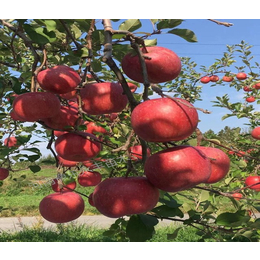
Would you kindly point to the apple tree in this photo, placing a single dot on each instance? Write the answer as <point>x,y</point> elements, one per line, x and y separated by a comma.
<point>86,89</point>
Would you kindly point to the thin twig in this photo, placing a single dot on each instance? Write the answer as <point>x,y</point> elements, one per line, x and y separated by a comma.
<point>221,23</point>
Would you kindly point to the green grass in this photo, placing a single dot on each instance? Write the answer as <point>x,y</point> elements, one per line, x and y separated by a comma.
<point>84,233</point>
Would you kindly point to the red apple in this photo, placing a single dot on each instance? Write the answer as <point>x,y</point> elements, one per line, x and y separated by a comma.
<point>119,196</point>
<point>10,141</point>
<point>241,75</point>
<point>164,119</point>
<point>162,65</point>
<point>132,87</point>
<point>66,163</point>
<point>255,133</point>
<point>61,207</point>
<point>256,86</point>
<point>227,78</point>
<point>205,80</point>
<point>66,118</point>
<point>103,98</point>
<point>220,163</point>
<point>59,133</point>
<point>253,182</point>
<point>15,117</point>
<point>59,79</point>
<point>247,88</point>
<point>177,168</point>
<point>34,106</point>
<point>89,178</point>
<point>58,185</point>
<point>4,173</point>
<point>136,152</point>
<point>237,196</point>
<point>70,95</point>
<point>93,128</point>
<point>214,78</point>
<point>90,200</point>
<point>250,99</point>
<point>74,147</point>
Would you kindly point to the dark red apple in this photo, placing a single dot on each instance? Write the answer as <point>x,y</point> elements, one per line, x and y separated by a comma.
<point>241,75</point>
<point>103,98</point>
<point>205,80</point>
<point>74,147</point>
<point>34,106</point>
<point>164,119</point>
<point>65,119</point>
<point>90,200</point>
<point>11,141</point>
<point>214,78</point>
<point>62,207</point>
<point>253,182</point>
<point>255,133</point>
<point>227,78</point>
<point>89,178</point>
<point>220,163</point>
<point>119,196</point>
<point>177,168</point>
<point>136,152</point>
<point>59,79</point>
<point>4,173</point>
<point>57,185</point>
<point>162,65</point>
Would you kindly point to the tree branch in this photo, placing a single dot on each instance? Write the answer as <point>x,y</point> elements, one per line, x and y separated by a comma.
<point>221,23</point>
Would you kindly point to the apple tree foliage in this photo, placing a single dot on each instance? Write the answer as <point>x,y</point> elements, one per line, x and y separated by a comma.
<point>92,47</point>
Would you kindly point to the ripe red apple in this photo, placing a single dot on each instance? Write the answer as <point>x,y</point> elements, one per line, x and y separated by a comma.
<point>74,147</point>
<point>15,117</point>
<point>66,163</point>
<point>66,118</point>
<point>59,133</point>
<point>205,80</point>
<point>237,196</point>
<point>119,196</point>
<point>90,200</point>
<point>10,141</point>
<point>4,173</point>
<point>253,182</point>
<point>69,95</point>
<point>214,78</point>
<point>136,152</point>
<point>250,99</point>
<point>93,128</point>
<point>162,65</point>
<point>132,87</point>
<point>103,98</point>
<point>61,207</point>
<point>247,88</point>
<point>177,168</point>
<point>255,133</point>
<point>34,106</point>
<point>89,178</point>
<point>220,163</point>
<point>164,119</point>
<point>241,75</point>
<point>227,78</point>
<point>58,185</point>
<point>256,86</point>
<point>59,79</point>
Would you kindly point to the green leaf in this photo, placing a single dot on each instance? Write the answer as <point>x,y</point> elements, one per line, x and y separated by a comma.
<point>165,211</point>
<point>186,34</point>
<point>168,200</point>
<point>232,219</point>
<point>130,25</point>
<point>50,25</point>
<point>169,23</point>
<point>39,35</point>
<point>35,168</point>
<point>174,234</point>
<point>140,227</point>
